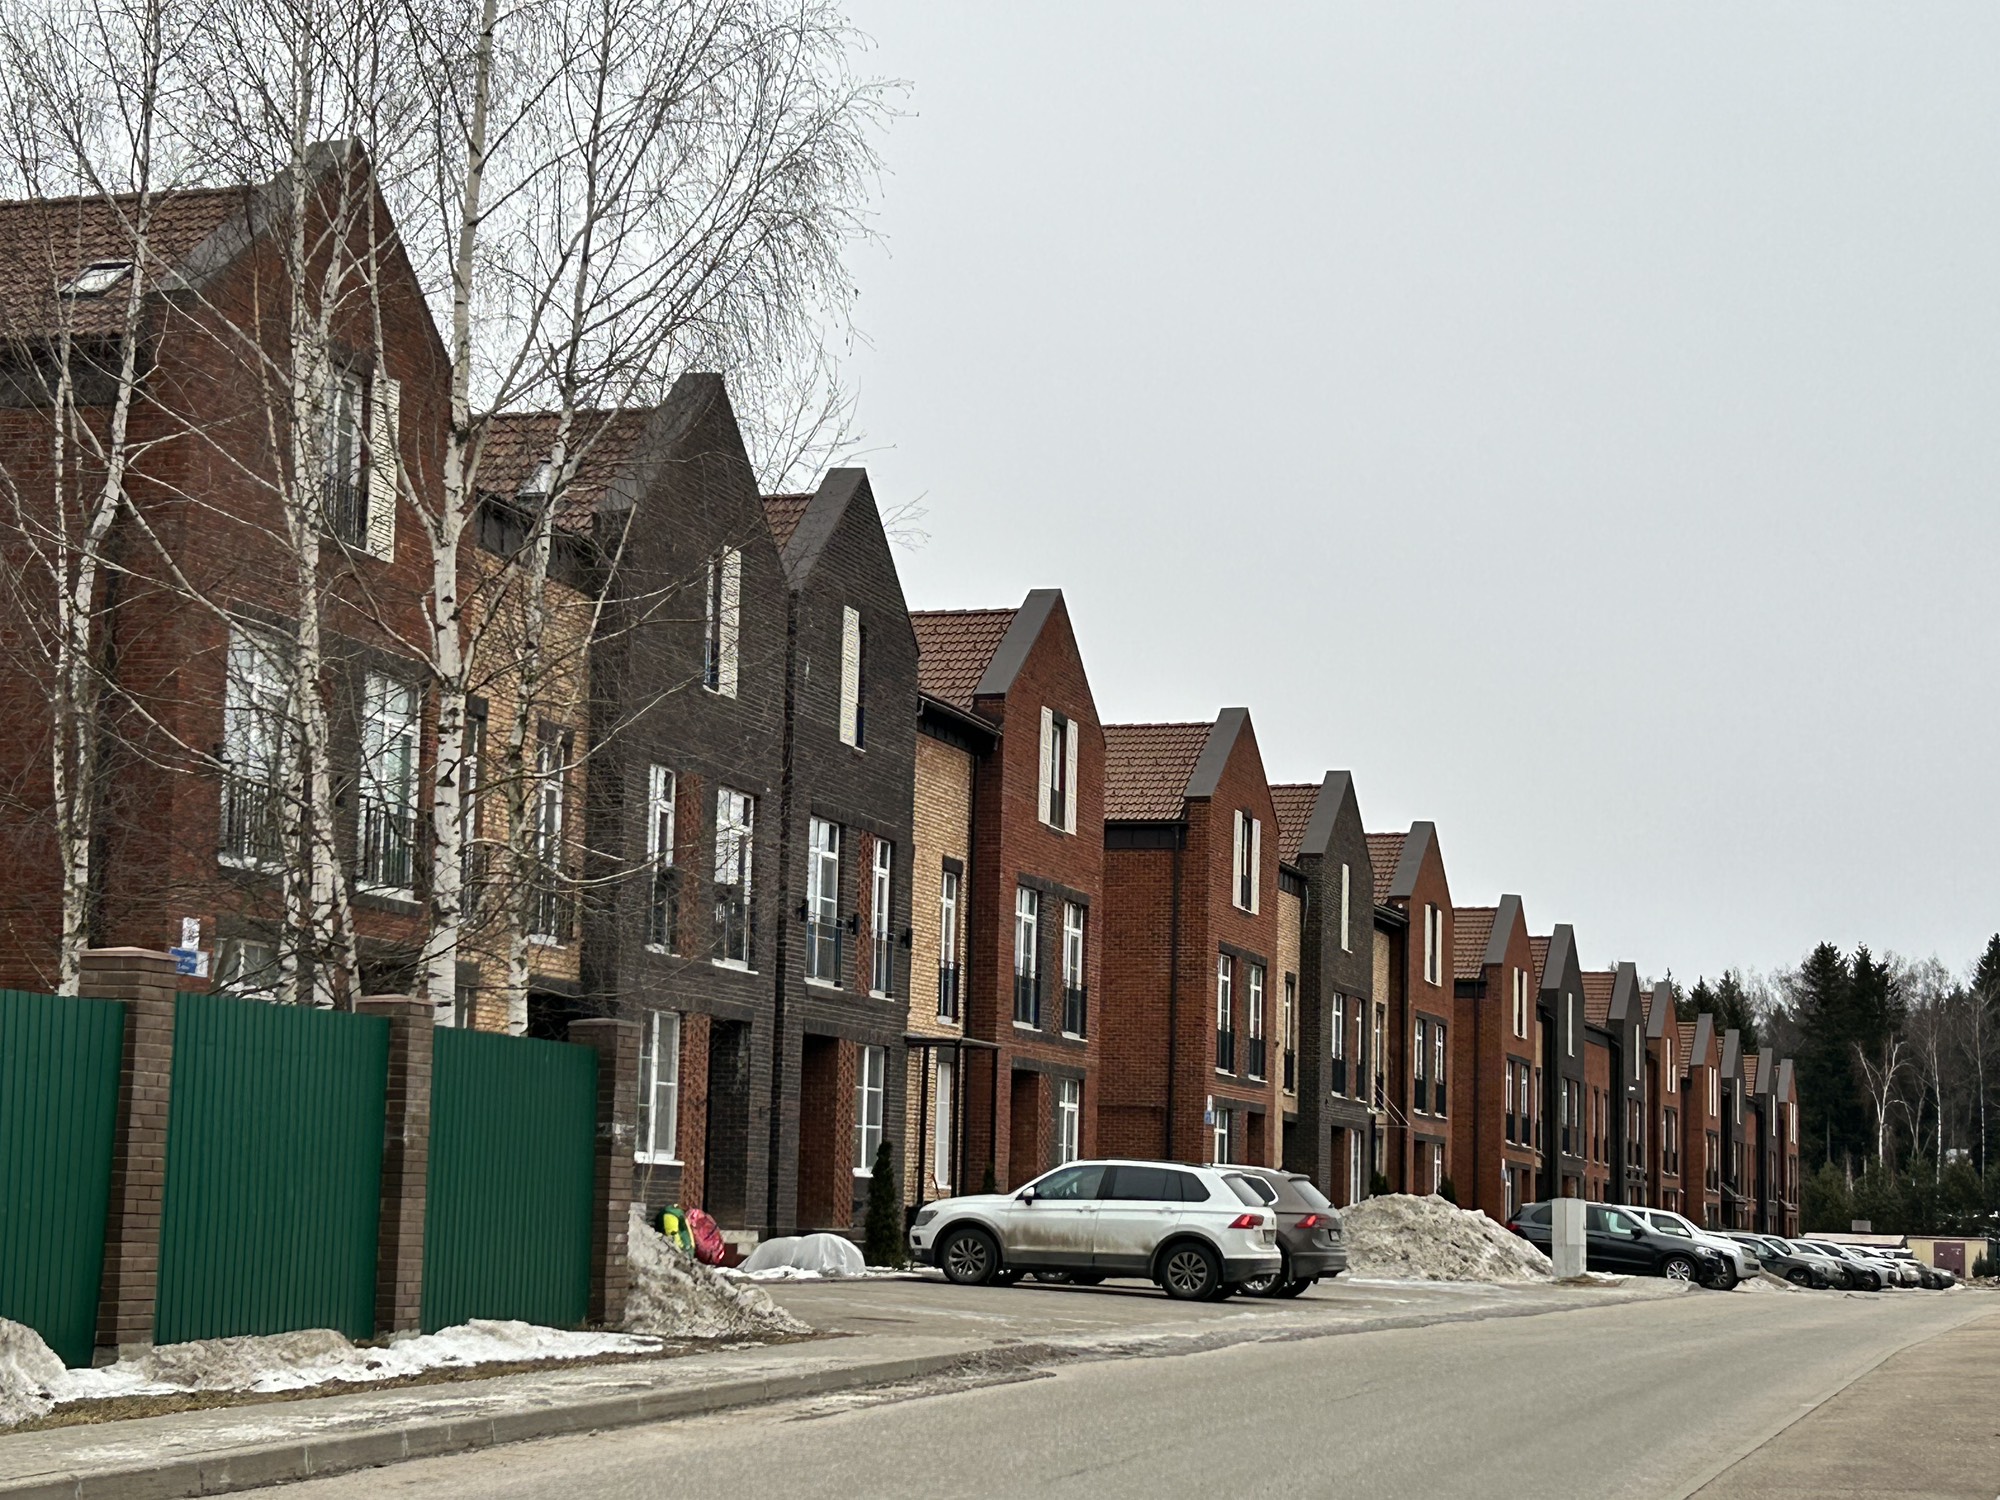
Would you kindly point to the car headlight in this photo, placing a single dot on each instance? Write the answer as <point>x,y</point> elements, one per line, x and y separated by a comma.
<point>924,1216</point>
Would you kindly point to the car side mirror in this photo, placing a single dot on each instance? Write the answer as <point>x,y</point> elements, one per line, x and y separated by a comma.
<point>1026,1195</point>
<point>1635,1234</point>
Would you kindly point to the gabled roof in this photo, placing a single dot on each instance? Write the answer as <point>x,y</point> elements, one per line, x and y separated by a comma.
<point>1559,958</point>
<point>1686,1032</point>
<point>806,539</point>
<point>1597,985</point>
<point>1763,1066</point>
<point>954,647</point>
<point>1471,930</point>
<point>1704,1039</point>
<point>1749,1074</point>
<point>1022,632</point>
<point>783,514</point>
<point>1732,1053</point>
<point>1293,802</point>
<point>1627,1002</point>
<point>1385,852</point>
<point>1787,1080</point>
<point>1661,1014</point>
<point>517,444</point>
<point>1147,769</point>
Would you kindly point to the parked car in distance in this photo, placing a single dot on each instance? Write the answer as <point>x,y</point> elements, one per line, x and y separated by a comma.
<point>1309,1243</point>
<point>1742,1264</point>
<point>1863,1273</point>
<point>1615,1240</point>
<point>1930,1278</point>
<point>1187,1229</point>
<point>1774,1256</point>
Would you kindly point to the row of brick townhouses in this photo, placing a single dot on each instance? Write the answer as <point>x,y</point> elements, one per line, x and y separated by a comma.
<point>862,874</point>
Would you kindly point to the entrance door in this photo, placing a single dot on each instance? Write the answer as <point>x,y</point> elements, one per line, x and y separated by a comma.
<point>1949,1255</point>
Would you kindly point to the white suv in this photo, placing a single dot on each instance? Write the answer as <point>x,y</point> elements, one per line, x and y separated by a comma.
<point>1193,1230</point>
<point>1741,1261</point>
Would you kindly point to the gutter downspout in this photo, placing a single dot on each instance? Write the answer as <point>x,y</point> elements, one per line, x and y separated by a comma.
<point>1173,993</point>
<point>772,1172</point>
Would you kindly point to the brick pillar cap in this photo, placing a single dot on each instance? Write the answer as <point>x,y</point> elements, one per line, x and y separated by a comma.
<point>145,956</point>
<point>612,1023</point>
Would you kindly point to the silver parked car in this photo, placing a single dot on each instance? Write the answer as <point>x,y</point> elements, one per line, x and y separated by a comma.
<point>1189,1229</point>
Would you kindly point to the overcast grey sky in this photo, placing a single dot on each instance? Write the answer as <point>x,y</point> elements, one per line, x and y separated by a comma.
<point>1578,420</point>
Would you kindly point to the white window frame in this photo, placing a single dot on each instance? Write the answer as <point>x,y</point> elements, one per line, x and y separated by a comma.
<point>1288,1022</point>
<point>1246,884</point>
<point>1346,907</point>
<point>385,426</point>
<point>735,847</point>
<point>1569,1023</point>
<point>1057,773</point>
<point>1437,1061</point>
<point>881,908</point>
<point>948,898</point>
<point>1521,1004</point>
<point>822,894</point>
<point>660,785</point>
<point>660,1092</point>
<point>1027,943</point>
<point>1224,1139</point>
<point>255,721</point>
<point>1073,955</point>
<point>550,791</point>
<point>1338,1050</point>
<point>1673,1077</point>
<point>1225,995</point>
<point>1714,1094</point>
<point>853,725</point>
<point>389,758</point>
<point>871,1070</point>
<point>1069,1119</point>
<point>943,1121</point>
<point>723,622</point>
<point>1255,976</point>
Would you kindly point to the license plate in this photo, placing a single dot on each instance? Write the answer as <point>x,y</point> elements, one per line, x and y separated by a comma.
<point>1267,1237</point>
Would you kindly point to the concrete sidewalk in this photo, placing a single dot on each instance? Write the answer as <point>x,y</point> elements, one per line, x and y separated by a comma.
<point>243,1447</point>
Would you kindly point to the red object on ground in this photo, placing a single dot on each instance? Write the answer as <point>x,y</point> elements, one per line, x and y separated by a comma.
<point>708,1246</point>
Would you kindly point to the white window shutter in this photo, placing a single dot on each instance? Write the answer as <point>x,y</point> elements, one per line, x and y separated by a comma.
<point>850,676</point>
<point>729,620</point>
<point>1256,864</point>
<point>385,432</point>
<point>1069,778</point>
<point>1048,760</point>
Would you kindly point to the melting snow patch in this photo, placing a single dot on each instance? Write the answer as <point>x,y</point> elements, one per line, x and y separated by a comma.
<point>676,1296</point>
<point>1429,1239</point>
<point>27,1367</point>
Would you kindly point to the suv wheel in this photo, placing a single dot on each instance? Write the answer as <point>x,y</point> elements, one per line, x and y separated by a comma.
<point>1677,1268</point>
<point>1799,1276</point>
<point>969,1257</point>
<point>1295,1288</point>
<point>1190,1272</point>
<point>1272,1285</point>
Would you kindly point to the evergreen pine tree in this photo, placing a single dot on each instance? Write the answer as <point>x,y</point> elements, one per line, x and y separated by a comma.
<point>1831,1110</point>
<point>882,1231</point>
<point>1733,1008</point>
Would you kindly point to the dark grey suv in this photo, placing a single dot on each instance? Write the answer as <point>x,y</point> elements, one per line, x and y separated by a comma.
<point>1308,1231</point>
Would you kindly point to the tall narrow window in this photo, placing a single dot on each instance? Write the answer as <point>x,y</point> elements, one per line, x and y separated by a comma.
<point>948,944</point>
<point>1437,1068</point>
<point>663,913</point>
<point>660,1088</point>
<point>547,906</point>
<point>1346,905</point>
<point>1521,1003</point>
<point>1714,1090</point>
<point>870,1070</point>
<point>1027,957</point>
<point>1420,1074</point>
<point>1225,1014</point>
<point>881,909</point>
<point>1337,1083</point>
<point>1375,1058</point>
<point>1058,772</point>
<point>735,817</point>
<point>1569,1023</point>
<point>823,901</point>
<point>725,617</point>
<point>1075,995</point>
<point>1254,999</point>
<point>345,501</point>
<point>471,784</point>
<point>1248,862</point>
<point>388,791</point>
<point>1225,1135</point>
<point>853,725</point>
<point>1288,1033</point>
<point>1433,941</point>
<point>1069,1120</point>
<point>1673,1075</point>
<point>944,1121</point>
<point>254,723</point>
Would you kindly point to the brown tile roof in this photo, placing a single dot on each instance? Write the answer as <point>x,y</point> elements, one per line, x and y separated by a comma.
<point>783,513</point>
<point>1471,930</point>
<point>1539,947</point>
<point>1293,802</point>
<point>1385,852</point>
<point>1146,769</point>
<point>1686,1029</point>
<point>45,242</point>
<point>953,648</point>
<point>517,445</point>
<point>1597,987</point>
<point>1749,1072</point>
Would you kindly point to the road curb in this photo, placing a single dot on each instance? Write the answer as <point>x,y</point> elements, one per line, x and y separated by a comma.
<point>254,1466</point>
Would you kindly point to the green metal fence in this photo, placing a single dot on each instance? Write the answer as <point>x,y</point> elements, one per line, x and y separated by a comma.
<point>512,1157</point>
<point>59,1067</point>
<point>274,1170</point>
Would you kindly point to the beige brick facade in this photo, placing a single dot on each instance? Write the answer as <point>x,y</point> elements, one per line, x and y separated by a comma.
<point>943,836</point>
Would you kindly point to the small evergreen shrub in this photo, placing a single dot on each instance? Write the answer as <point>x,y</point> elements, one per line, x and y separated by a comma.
<point>882,1232</point>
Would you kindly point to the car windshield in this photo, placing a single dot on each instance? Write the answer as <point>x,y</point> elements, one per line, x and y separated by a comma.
<point>1315,1199</point>
<point>1070,1182</point>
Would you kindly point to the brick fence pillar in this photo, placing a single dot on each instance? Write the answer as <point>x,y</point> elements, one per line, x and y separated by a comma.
<point>147,982</point>
<point>406,1151</point>
<point>617,1047</point>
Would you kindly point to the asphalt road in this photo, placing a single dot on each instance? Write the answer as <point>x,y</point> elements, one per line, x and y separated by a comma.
<point>1641,1399</point>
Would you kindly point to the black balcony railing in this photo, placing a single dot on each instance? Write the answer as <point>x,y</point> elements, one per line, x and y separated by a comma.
<point>1420,1095</point>
<point>948,993</point>
<point>1028,999</point>
<point>1291,1071</point>
<point>1510,1125</point>
<point>663,910</point>
<point>823,951</point>
<point>388,844</point>
<point>1076,1009</point>
<point>1337,1080</point>
<point>1253,1065</point>
<point>1437,1097</point>
<point>1381,1092</point>
<point>1225,1051</point>
<point>548,905</point>
<point>347,509</point>
<point>250,823</point>
<point>882,965</point>
<point>733,933</point>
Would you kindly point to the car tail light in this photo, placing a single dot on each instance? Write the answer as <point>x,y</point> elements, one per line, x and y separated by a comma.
<point>1246,1221</point>
<point>1310,1221</point>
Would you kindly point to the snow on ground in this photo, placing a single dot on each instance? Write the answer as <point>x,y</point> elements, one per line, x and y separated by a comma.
<point>676,1296</point>
<point>818,1254</point>
<point>27,1365</point>
<point>1429,1239</point>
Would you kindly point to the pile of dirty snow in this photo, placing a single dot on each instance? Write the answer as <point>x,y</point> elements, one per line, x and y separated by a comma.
<point>1429,1239</point>
<point>27,1367</point>
<point>806,1255</point>
<point>1764,1281</point>
<point>676,1296</point>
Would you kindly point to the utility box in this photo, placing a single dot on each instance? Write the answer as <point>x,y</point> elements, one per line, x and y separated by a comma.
<point>1566,1237</point>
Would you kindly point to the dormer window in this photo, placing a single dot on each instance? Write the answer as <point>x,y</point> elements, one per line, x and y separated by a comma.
<point>97,278</point>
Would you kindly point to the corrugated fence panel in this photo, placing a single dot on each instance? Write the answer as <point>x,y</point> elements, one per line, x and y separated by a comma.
<point>512,1162</point>
<point>59,1066</point>
<point>274,1170</point>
